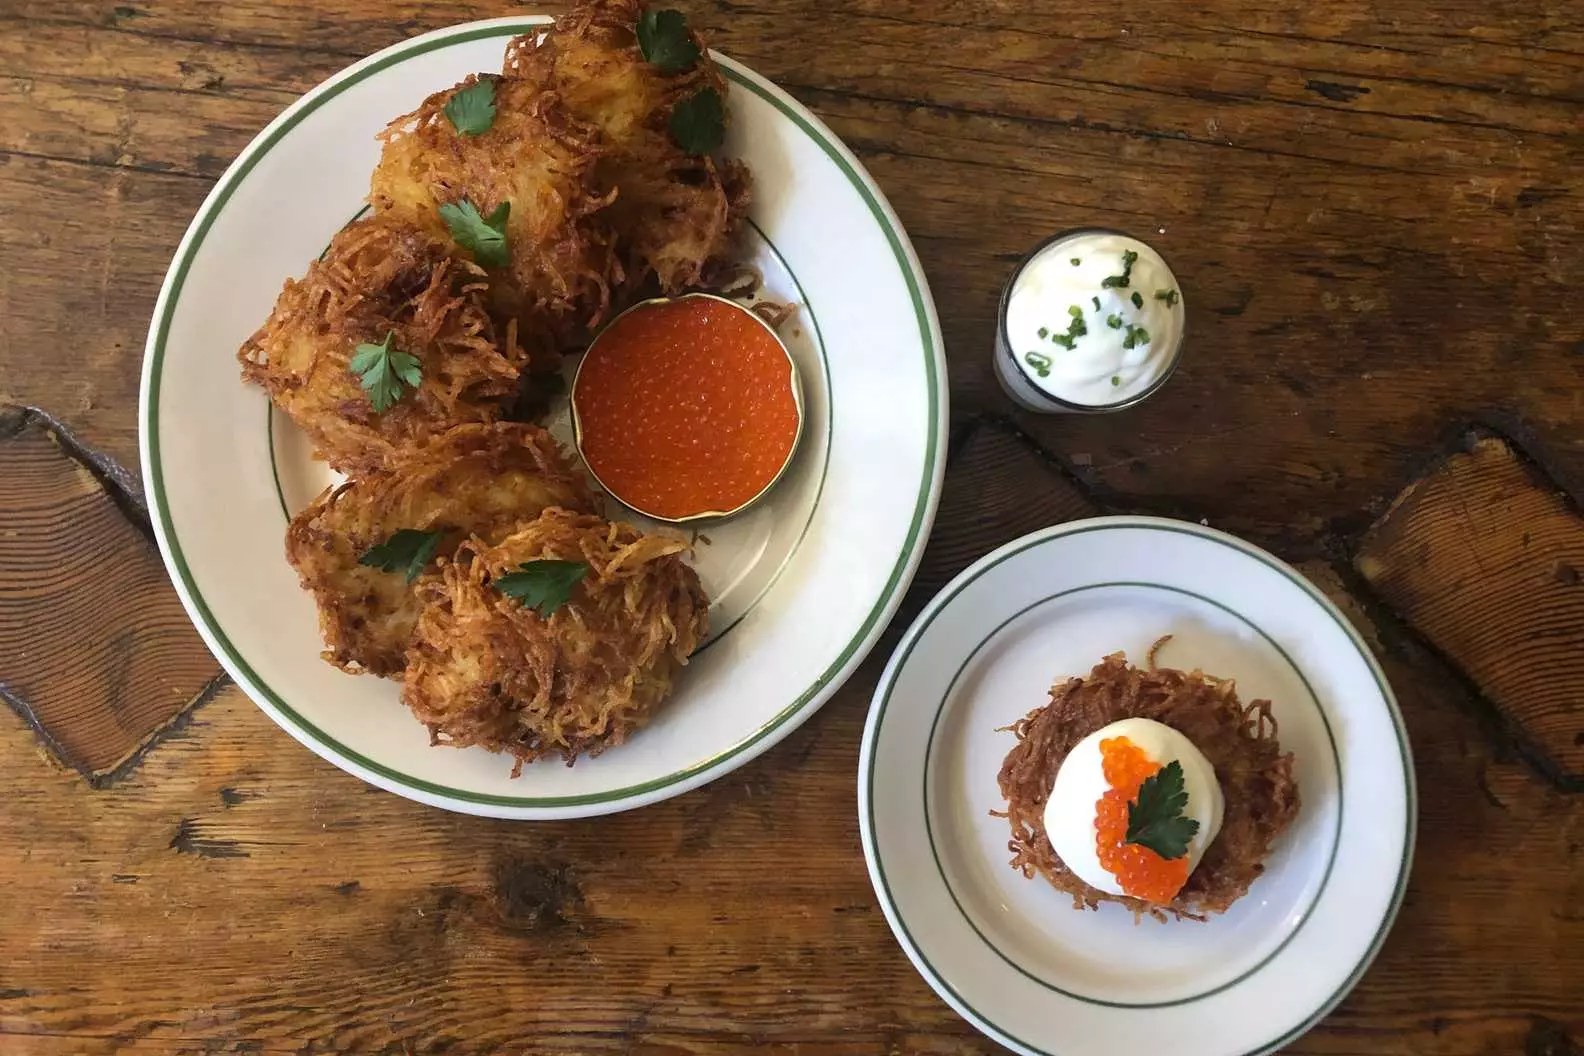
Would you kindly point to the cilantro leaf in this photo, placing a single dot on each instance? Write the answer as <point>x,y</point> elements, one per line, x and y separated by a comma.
<point>1155,818</point>
<point>385,373</point>
<point>408,549</point>
<point>698,123</point>
<point>483,236</point>
<point>471,111</point>
<point>664,39</point>
<point>544,585</point>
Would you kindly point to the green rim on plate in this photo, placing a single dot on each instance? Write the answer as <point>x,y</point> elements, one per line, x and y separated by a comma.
<point>915,634</point>
<point>886,602</point>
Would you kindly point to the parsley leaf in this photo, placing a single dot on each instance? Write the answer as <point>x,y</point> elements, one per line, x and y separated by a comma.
<point>483,236</point>
<point>664,39</point>
<point>1155,818</point>
<point>385,372</point>
<point>1124,279</point>
<point>698,123</point>
<point>544,585</point>
<point>408,549</point>
<point>472,110</point>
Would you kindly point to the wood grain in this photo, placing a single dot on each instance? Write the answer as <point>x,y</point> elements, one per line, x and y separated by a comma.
<point>1375,215</point>
<point>1484,556</point>
<point>1000,487</point>
<point>97,652</point>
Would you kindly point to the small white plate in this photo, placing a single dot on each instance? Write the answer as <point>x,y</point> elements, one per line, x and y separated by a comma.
<point>1011,954</point>
<point>802,585</point>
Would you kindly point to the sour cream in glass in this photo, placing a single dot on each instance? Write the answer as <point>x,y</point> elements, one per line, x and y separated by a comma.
<point>1092,319</point>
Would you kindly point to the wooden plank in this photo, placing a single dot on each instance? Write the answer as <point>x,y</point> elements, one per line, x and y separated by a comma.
<point>737,916</point>
<point>999,486</point>
<point>97,653</point>
<point>1484,556</point>
<point>1376,219</point>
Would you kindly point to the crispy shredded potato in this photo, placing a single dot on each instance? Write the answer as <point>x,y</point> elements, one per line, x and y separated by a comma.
<point>538,158</point>
<point>1239,740</point>
<point>381,277</point>
<point>674,215</point>
<point>476,481</point>
<point>485,670</point>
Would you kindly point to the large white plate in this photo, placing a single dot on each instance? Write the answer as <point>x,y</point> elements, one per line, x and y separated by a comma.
<point>802,586</point>
<point>1011,954</point>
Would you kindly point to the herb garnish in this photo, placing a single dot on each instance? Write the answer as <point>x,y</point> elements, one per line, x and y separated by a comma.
<point>384,371</point>
<point>1124,279</point>
<point>1096,301</point>
<point>1077,261</point>
<point>1171,297</point>
<point>698,123</point>
<point>1114,322</point>
<point>472,110</point>
<point>664,39</point>
<point>1136,335</point>
<point>1044,332</point>
<point>1137,299</point>
<point>1116,379</point>
<point>1039,361</point>
<point>544,585</point>
<point>1155,818</point>
<point>1075,329</point>
<point>409,550</point>
<point>483,236</point>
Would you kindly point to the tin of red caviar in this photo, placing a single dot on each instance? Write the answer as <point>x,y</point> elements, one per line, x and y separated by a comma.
<point>687,408</point>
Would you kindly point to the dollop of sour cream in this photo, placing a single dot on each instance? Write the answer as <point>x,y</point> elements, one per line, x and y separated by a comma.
<point>1080,783</point>
<point>1095,318</point>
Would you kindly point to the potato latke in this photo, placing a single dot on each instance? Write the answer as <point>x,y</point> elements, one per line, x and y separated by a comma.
<point>485,670</point>
<point>674,214</point>
<point>381,277</point>
<point>539,159</point>
<point>476,481</point>
<point>1239,741</point>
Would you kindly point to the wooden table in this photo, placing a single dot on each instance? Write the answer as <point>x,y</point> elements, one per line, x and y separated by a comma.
<point>1376,210</point>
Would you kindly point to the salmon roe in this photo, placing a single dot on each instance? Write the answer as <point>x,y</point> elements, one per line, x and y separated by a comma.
<point>1140,872</point>
<point>686,407</point>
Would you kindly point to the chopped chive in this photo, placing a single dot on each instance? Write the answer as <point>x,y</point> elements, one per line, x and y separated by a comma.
<point>1096,301</point>
<point>1075,311</point>
<point>1136,335</point>
<point>1065,341</point>
<point>1077,261</point>
<point>1114,322</point>
<point>1040,363</point>
<point>1138,299</point>
<point>1124,279</point>
<point>1116,380</point>
<point>1169,296</point>
<point>1044,333</point>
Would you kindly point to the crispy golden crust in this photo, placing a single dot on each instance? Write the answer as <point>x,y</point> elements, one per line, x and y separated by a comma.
<point>478,481</point>
<point>538,158</point>
<point>1240,741</point>
<point>483,670</point>
<point>381,277</point>
<point>674,215</point>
